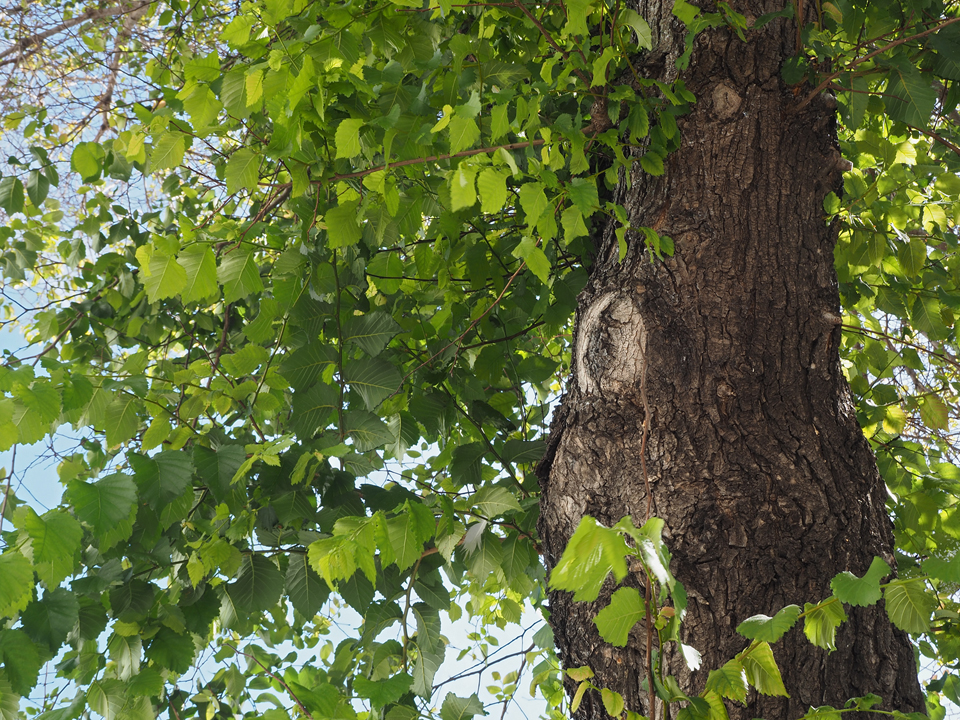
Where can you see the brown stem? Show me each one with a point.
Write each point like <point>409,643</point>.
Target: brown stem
<point>833,76</point>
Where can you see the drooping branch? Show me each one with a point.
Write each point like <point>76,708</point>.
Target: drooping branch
<point>93,14</point>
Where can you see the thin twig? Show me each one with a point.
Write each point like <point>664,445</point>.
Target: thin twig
<point>275,677</point>
<point>869,56</point>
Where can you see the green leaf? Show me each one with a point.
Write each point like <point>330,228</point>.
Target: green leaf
<point>464,133</point>
<point>200,266</point>
<point>217,468</point>
<point>16,583</point>
<point>463,192</point>
<point>909,605</point>
<point>306,589</point>
<point>239,275</point>
<point>374,379</point>
<point>243,170</point>
<point>593,552</point>
<point>258,586</point>
<point>492,501</point>
<point>168,151</point>
<point>107,698</point>
<point>107,506</point>
<point>122,419</point>
<point>37,187</point>
<point>852,590</point>
<point>631,19</point>
<point>86,159</point>
<point>458,708</point>
<point>533,200</point>
<point>535,258</point>
<point>11,195</point>
<point>492,186</point>
<point>371,331</point>
<point>304,366</point>
<point>615,621</point>
<point>163,277</point>
<point>762,671</point>
<point>424,670</point>
<point>173,650</point>
<point>312,409</point>
<point>767,629</point>
<point>367,430</point>
<point>342,228</point>
<point>577,11</point>
<point>729,681</point>
<point>820,622</point>
<point>934,413</point>
<point>53,543</point>
<point>908,96</point>
<point>383,692</point>
<point>347,138</point>
<point>612,702</point>
<point>50,619</point>
<point>163,477</point>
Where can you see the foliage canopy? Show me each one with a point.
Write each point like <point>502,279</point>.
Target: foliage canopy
<point>301,278</point>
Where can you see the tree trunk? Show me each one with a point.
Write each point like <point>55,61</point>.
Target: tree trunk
<point>754,455</point>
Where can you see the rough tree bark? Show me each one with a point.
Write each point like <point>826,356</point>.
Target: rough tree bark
<point>755,459</point>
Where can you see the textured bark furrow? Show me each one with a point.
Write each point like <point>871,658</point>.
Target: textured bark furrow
<point>755,459</point>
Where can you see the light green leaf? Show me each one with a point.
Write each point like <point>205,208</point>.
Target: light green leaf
<point>594,551</point>
<point>243,170</point>
<point>347,138</point>
<point>16,583</point>
<point>342,228</point>
<point>253,84</point>
<point>239,275</point>
<point>533,200</point>
<point>458,708</point>
<point>492,186</point>
<point>463,192</point>
<point>631,19</point>
<point>934,413</point>
<point>492,501</point>
<point>820,623</point>
<point>615,621</point>
<point>122,419</point>
<point>200,266</point>
<point>163,278</point>
<point>463,133</point>
<point>762,671</point>
<point>107,506</point>
<point>535,258</point>
<point>86,159</point>
<point>767,629</point>
<point>861,592</point>
<point>53,543</point>
<point>909,605</point>
<point>729,681</point>
<point>168,151</point>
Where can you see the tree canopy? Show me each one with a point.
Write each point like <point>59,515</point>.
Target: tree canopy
<point>301,276</point>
